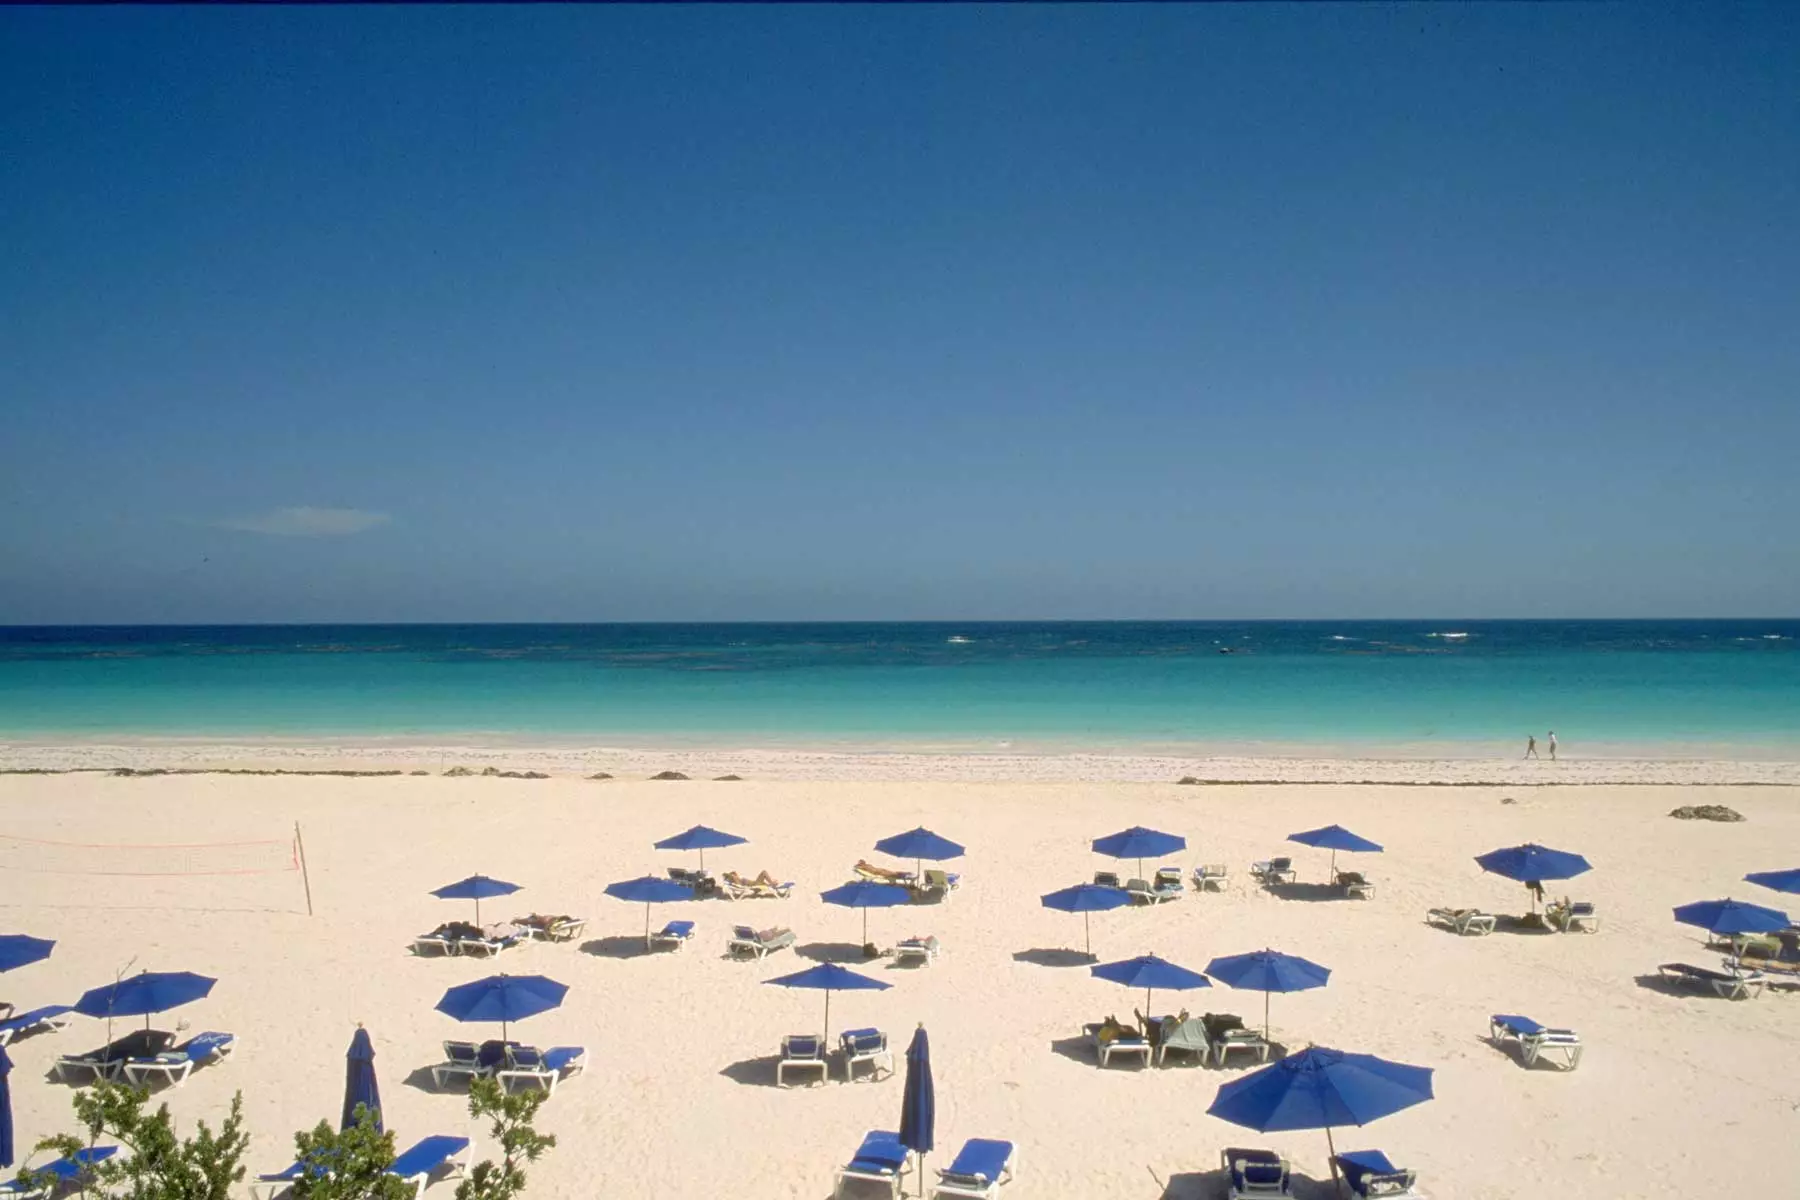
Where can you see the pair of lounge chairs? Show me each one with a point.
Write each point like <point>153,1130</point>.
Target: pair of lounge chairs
<point>1470,922</point>
<point>509,1063</point>
<point>460,937</point>
<point>1272,871</point>
<point>1733,983</point>
<point>50,1017</point>
<point>808,1052</point>
<point>978,1171</point>
<point>1573,917</point>
<point>147,1054</point>
<point>1212,1037</point>
<point>1353,884</point>
<point>1211,876</point>
<point>431,1158</point>
<point>54,1178</point>
<point>757,943</point>
<point>542,928</point>
<point>921,951</point>
<point>1536,1041</point>
<point>1166,886</point>
<point>764,887</point>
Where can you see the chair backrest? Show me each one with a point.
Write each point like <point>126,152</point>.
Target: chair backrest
<point>1280,864</point>
<point>1168,875</point>
<point>529,1058</point>
<point>462,1052</point>
<point>1106,879</point>
<point>743,933</point>
<point>802,1045</point>
<point>862,1041</point>
<point>1396,1184</point>
<point>937,879</point>
<point>1137,885</point>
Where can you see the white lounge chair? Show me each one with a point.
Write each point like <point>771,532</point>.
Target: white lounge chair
<point>431,1156</point>
<point>551,929</point>
<point>175,1064</point>
<point>1354,884</point>
<point>1254,1174</point>
<point>921,950</point>
<point>1211,875</point>
<point>1183,1037</point>
<point>676,934</point>
<point>865,1046</point>
<point>1140,892</point>
<point>56,1176</point>
<point>1734,984</point>
<point>1130,1045</point>
<point>802,1051</point>
<point>1371,1176</point>
<point>51,1017</point>
<point>1228,1034</point>
<point>1273,871</point>
<point>1536,1041</point>
<point>880,1160</point>
<point>759,943</point>
<point>1470,922</point>
<point>979,1170</point>
<point>1579,917</point>
<point>462,1060</point>
<point>427,945</point>
<point>542,1069</point>
<point>1107,879</point>
<point>493,939</point>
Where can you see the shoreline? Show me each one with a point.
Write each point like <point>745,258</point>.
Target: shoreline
<point>1304,765</point>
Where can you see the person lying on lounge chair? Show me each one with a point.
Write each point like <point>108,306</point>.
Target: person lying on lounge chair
<point>865,867</point>
<point>1112,1029</point>
<point>456,930</point>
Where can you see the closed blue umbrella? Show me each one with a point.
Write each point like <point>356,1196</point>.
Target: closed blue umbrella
<point>18,950</point>
<point>1268,971</point>
<point>648,890</point>
<point>1150,972</point>
<point>143,994</point>
<point>866,894</point>
<point>6,1124</point>
<point>1086,898</point>
<point>1531,864</point>
<point>918,1102</point>
<point>1335,838</point>
<point>829,978</point>
<point>360,1088</point>
<point>502,998</point>
<point>1320,1088</point>
<point>1139,843</point>
<point>919,844</point>
<point>1732,917</point>
<point>701,838</point>
<point>476,888</point>
<point>1781,881</point>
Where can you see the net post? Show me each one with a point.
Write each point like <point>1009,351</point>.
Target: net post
<point>305,876</point>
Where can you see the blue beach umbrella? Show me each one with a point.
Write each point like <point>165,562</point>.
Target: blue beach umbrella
<point>919,844</point>
<point>918,1102</point>
<point>1318,1089</point>
<point>1150,972</point>
<point>1335,838</point>
<point>476,888</point>
<point>1268,971</point>
<point>866,894</point>
<point>1531,864</point>
<point>647,890</point>
<point>1086,898</point>
<point>701,838</point>
<point>18,950</point>
<point>502,998</point>
<point>829,978</point>
<point>6,1122</point>
<point>360,1087</point>
<point>1139,843</point>
<point>1780,881</point>
<point>143,994</point>
<point>1732,917</point>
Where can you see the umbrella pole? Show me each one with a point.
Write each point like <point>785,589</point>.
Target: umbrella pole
<point>826,1035</point>
<point>1087,938</point>
<point>1265,1016</point>
<point>865,913</point>
<point>1332,1150</point>
<point>646,924</point>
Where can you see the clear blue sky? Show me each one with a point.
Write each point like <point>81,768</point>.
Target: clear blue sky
<point>818,312</point>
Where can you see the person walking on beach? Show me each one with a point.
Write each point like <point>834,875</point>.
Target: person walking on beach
<point>1531,745</point>
<point>1553,745</point>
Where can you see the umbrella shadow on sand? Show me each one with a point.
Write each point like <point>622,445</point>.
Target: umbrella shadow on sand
<point>1311,892</point>
<point>832,952</point>
<point>623,945</point>
<point>1044,957</point>
<point>1208,1185</point>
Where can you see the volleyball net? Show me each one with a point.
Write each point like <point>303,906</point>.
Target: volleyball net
<point>46,856</point>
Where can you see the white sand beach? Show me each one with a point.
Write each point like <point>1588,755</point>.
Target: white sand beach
<point>1676,1093</point>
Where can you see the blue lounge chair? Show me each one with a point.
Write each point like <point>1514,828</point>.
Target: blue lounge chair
<point>48,1017</point>
<point>428,1156</point>
<point>865,1046</point>
<point>880,1159</point>
<point>177,1063</point>
<point>462,1060</point>
<point>1370,1174</point>
<point>802,1050</point>
<point>541,1068</point>
<point>105,1062</point>
<point>1535,1040</point>
<point>1255,1174</point>
<point>675,933</point>
<point>979,1169</point>
<point>53,1177</point>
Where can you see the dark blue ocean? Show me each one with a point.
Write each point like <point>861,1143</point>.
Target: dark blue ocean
<point>1048,684</point>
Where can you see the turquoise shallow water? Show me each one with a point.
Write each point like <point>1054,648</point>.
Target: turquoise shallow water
<point>1066,684</point>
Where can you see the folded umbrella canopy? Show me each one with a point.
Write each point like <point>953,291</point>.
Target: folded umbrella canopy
<point>360,1088</point>
<point>1335,838</point>
<point>1150,972</point>
<point>701,838</point>
<point>1780,881</point>
<point>866,894</point>
<point>1268,971</point>
<point>502,998</point>
<point>1085,898</point>
<point>918,1101</point>
<point>1318,1089</point>
<point>647,890</point>
<point>18,950</point>
<point>476,888</point>
<point>1531,864</point>
<point>829,978</point>
<point>1732,917</point>
<point>1139,843</point>
<point>6,1121</point>
<point>143,994</point>
<point>919,844</point>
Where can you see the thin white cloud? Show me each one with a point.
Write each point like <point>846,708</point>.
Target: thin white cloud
<point>306,521</point>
